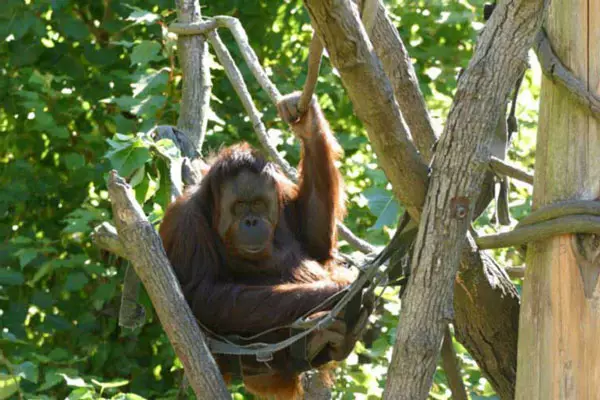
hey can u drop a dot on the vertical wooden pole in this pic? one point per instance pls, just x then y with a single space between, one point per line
195 93
559 334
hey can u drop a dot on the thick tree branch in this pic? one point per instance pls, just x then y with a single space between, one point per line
458 171
486 317
398 67
477 282
195 93
339 26
144 249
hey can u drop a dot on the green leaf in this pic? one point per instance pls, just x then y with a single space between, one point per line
8 386
20 26
128 396
128 159
11 278
26 256
58 354
110 385
76 281
167 148
42 271
74 28
140 16
384 206
138 176
28 371
82 394
149 81
145 52
74 160
75 381
51 379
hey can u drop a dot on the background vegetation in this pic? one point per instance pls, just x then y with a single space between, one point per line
81 85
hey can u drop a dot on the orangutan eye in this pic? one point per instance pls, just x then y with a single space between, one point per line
239 207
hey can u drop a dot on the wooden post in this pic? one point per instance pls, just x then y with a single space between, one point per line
559 335
195 92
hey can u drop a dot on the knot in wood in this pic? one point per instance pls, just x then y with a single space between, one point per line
460 207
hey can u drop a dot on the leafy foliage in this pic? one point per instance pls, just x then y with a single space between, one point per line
82 84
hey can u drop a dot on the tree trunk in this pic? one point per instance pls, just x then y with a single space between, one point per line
559 345
459 166
481 280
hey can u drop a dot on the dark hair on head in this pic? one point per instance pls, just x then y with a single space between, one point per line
227 164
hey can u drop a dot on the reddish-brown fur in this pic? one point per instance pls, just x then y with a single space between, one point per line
231 295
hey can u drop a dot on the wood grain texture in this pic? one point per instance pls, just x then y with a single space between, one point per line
459 167
481 282
146 253
339 26
559 345
196 85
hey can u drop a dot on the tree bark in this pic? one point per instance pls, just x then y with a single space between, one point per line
476 328
195 93
459 167
339 26
486 318
398 67
559 346
145 251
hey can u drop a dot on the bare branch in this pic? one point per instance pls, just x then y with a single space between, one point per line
105 237
315 53
340 29
195 93
144 248
398 67
515 272
555 70
540 231
502 168
452 368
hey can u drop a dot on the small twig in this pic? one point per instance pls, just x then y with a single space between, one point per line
541 230
315 54
105 237
233 24
502 168
555 70
193 28
353 240
452 368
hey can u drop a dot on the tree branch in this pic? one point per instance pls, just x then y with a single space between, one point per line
452 368
502 168
144 249
195 93
339 26
555 70
458 172
397 65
